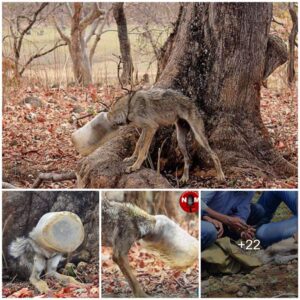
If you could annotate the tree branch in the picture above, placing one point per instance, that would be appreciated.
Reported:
(69, 9)
(55, 177)
(59, 30)
(29, 26)
(29, 61)
(98, 35)
(91, 17)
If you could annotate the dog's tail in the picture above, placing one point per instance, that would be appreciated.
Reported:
(20, 247)
(22, 250)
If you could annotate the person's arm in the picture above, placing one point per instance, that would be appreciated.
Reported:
(205, 198)
(233, 222)
(243, 209)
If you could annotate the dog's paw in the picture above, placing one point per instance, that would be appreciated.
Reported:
(183, 180)
(128, 170)
(131, 169)
(128, 159)
(42, 287)
(221, 177)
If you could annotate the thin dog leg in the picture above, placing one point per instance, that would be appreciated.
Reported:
(39, 264)
(51, 271)
(137, 147)
(149, 134)
(181, 138)
(121, 248)
(198, 129)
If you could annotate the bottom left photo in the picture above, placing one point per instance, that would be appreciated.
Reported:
(50, 244)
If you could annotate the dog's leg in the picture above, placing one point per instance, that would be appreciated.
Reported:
(121, 246)
(137, 147)
(149, 134)
(51, 271)
(39, 264)
(198, 129)
(181, 139)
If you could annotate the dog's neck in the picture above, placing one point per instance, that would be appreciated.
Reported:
(42, 250)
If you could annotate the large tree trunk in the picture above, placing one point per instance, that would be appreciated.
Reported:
(81, 64)
(220, 54)
(292, 40)
(119, 15)
(22, 211)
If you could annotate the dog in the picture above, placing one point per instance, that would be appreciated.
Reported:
(123, 224)
(33, 256)
(281, 252)
(150, 109)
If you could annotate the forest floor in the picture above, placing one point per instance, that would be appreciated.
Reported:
(88, 275)
(156, 278)
(264, 282)
(36, 137)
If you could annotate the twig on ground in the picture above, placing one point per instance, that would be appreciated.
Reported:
(285, 295)
(55, 177)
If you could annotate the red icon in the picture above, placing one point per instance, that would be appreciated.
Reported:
(189, 201)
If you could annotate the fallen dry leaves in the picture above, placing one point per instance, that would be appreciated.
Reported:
(155, 277)
(38, 139)
(25, 290)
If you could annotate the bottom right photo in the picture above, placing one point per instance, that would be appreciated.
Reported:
(249, 244)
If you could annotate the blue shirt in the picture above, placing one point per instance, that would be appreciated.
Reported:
(229, 203)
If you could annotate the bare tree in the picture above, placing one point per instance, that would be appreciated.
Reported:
(21, 25)
(79, 38)
(119, 15)
(292, 41)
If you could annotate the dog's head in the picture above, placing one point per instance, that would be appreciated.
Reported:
(93, 134)
(174, 245)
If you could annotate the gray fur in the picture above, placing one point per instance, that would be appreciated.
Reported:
(150, 109)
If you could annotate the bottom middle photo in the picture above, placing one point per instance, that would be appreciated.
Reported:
(150, 244)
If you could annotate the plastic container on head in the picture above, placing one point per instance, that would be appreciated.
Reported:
(59, 231)
(93, 134)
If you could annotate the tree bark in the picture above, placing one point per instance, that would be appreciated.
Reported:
(22, 210)
(220, 54)
(119, 15)
(292, 39)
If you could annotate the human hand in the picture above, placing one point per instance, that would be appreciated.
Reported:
(216, 223)
(236, 224)
(248, 234)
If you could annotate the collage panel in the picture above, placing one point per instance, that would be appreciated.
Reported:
(150, 244)
(50, 244)
(112, 97)
(249, 244)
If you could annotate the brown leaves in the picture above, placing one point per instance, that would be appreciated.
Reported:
(22, 293)
(38, 139)
(155, 277)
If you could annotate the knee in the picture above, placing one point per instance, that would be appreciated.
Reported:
(209, 235)
(262, 237)
(260, 211)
